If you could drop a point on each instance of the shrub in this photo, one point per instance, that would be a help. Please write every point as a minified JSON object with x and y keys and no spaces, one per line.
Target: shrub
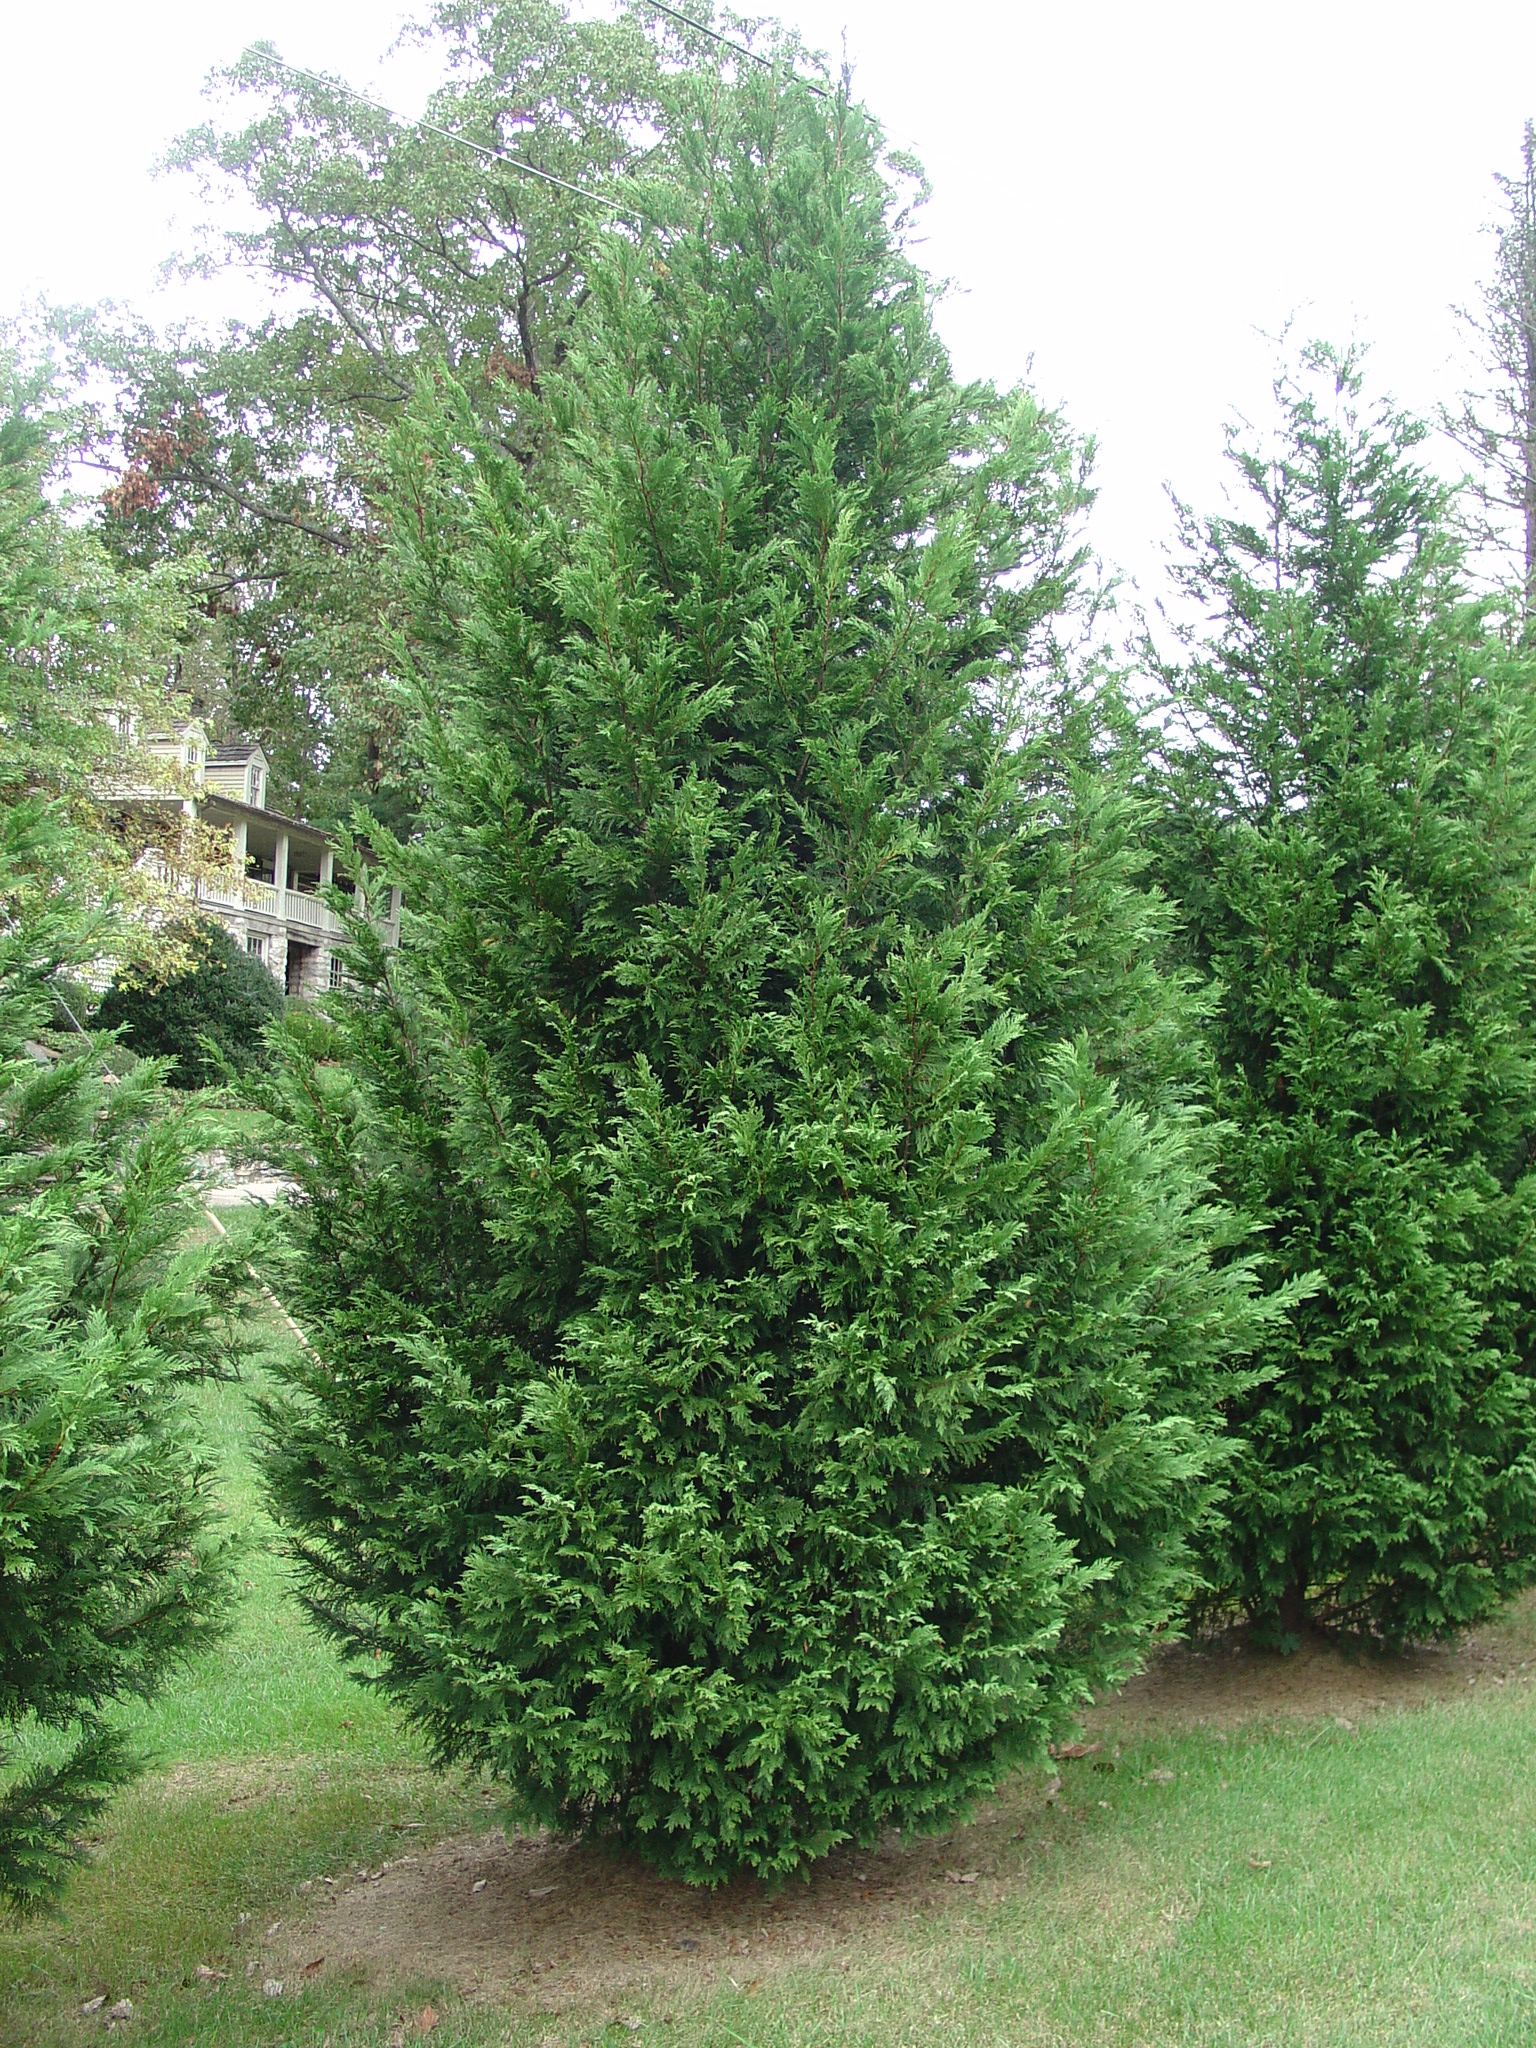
{"x":226,"y":995}
{"x":755,"y":1230}
{"x":1351,"y":839}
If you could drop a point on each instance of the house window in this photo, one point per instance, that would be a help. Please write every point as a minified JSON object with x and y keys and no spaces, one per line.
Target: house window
{"x":256,"y":787}
{"x":256,"y":945}
{"x":338,"y":973}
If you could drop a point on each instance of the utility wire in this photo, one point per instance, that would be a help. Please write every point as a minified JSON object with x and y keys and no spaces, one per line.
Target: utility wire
{"x":676,"y":14}
{"x":503,"y":156}
{"x":741,"y":49}
{"x":500,"y":156}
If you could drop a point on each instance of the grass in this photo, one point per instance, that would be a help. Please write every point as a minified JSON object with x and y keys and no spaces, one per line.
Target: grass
{"x":1309,"y":1885}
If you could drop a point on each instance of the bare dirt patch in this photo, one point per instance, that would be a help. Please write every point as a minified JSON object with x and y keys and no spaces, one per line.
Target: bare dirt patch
{"x":1226,"y":1683}
{"x":559,"y":1924}
{"x":535,"y":1919}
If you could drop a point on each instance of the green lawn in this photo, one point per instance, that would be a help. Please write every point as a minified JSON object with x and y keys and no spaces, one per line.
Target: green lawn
{"x":1301,"y":1883}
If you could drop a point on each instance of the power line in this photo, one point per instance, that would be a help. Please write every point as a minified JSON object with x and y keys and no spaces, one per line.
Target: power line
{"x":500,"y":156}
{"x":741,"y":49}
{"x":660,"y":7}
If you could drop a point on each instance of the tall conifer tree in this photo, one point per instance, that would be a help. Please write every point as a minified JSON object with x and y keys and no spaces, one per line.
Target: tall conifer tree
{"x":756,"y":1236}
{"x":112,"y":1567}
{"x":1352,"y":841}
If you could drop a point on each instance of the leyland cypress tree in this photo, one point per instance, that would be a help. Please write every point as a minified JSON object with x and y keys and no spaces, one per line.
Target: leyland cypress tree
{"x":1352,"y":840}
{"x":755,"y":1236}
{"x":112,"y":1565}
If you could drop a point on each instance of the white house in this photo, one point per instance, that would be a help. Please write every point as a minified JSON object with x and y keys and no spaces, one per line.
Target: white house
{"x":277,"y":912}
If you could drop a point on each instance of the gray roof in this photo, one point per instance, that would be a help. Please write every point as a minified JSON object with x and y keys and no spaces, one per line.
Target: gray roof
{"x":234,"y":752}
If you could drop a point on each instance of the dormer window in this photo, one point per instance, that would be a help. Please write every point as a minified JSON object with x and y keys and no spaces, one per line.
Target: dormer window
{"x":255,"y":781}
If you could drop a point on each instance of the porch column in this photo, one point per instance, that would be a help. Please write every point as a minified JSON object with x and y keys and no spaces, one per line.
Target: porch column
{"x":280,"y":936}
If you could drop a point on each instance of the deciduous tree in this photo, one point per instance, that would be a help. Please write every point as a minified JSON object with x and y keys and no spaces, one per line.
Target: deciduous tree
{"x":1497,"y":426}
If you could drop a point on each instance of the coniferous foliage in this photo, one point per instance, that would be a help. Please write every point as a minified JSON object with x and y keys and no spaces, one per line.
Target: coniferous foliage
{"x":755,"y":1233}
{"x":110,"y":1563}
{"x":113,"y":1566}
{"x":1351,"y":840}
{"x":220,"y":994}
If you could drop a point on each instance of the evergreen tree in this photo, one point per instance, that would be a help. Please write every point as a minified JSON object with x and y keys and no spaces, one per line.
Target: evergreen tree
{"x":111,"y":1567}
{"x":755,"y":1231}
{"x":1351,"y":838}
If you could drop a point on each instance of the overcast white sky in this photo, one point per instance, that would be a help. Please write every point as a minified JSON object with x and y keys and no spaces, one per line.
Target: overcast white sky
{"x":1129,"y":194}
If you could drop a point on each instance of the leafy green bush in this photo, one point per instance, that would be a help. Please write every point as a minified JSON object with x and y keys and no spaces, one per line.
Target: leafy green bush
{"x":1352,"y":840}
{"x":756,"y":1229}
{"x":226,"y":995}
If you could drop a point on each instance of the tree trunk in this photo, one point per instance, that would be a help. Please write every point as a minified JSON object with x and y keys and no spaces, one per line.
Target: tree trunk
{"x":1295,"y":1620}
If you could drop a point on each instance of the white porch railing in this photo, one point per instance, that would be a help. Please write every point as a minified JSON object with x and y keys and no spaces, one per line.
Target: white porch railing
{"x":298,"y":908}
{"x":294,"y":907}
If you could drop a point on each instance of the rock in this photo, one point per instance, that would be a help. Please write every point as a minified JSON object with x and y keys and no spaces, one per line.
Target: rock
{"x":478,"y":1885}
{"x":95,"y":2004}
{"x":272,"y":1987}
{"x":123,"y":2010}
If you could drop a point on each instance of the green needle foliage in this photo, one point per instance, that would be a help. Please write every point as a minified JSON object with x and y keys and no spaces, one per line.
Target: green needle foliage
{"x":1352,"y":840}
{"x":756,"y":1236}
{"x":111,"y":1567}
